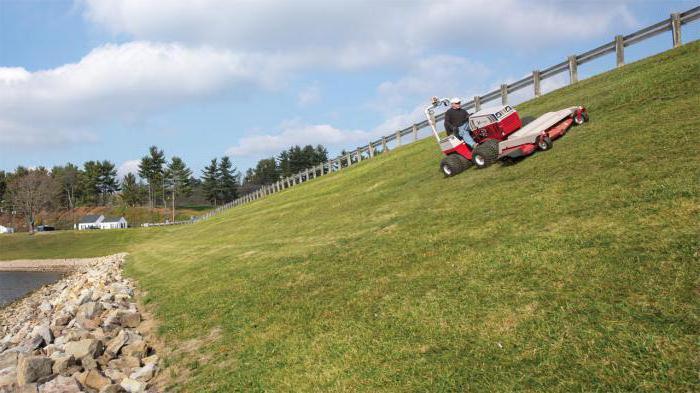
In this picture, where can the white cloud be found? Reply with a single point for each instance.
(353, 34)
(309, 95)
(295, 132)
(126, 167)
(444, 75)
(118, 83)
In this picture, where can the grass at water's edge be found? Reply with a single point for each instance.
(575, 269)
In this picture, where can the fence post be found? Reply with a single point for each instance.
(306, 174)
(349, 159)
(398, 138)
(504, 94)
(620, 50)
(573, 70)
(359, 154)
(415, 132)
(536, 82)
(477, 103)
(676, 29)
(384, 144)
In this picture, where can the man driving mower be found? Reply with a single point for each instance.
(457, 122)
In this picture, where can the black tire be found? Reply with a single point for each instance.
(485, 153)
(544, 143)
(453, 164)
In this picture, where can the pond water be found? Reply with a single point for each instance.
(14, 285)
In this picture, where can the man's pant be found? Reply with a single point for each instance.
(466, 135)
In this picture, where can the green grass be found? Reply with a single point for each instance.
(573, 270)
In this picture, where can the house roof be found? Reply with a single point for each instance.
(89, 219)
(112, 219)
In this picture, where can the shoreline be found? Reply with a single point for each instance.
(84, 333)
(45, 265)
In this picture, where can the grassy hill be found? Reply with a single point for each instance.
(575, 269)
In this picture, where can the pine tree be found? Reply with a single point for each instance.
(132, 192)
(228, 180)
(90, 182)
(178, 180)
(108, 183)
(152, 168)
(210, 182)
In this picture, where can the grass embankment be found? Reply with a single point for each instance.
(575, 269)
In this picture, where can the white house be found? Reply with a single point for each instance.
(101, 222)
(4, 229)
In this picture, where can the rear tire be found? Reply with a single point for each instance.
(544, 143)
(454, 164)
(485, 153)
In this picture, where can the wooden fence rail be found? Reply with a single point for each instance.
(570, 65)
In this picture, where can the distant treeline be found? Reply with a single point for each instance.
(160, 183)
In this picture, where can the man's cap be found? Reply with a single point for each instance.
(455, 100)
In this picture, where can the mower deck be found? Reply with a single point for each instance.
(529, 133)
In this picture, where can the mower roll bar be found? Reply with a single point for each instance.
(430, 114)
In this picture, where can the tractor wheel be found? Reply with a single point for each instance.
(453, 164)
(581, 118)
(544, 143)
(485, 153)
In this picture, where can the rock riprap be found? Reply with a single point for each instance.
(77, 335)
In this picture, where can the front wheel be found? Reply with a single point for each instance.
(485, 153)
(453, 164)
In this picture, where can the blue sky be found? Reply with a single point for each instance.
(105, 79)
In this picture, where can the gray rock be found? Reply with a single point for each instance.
(32, 368)
(45, 306)
(8, 359)
(144, 373)
(8, 377)
(90, 310)
(125, 363)
(28, 388)
(88, 362)
(129, 319)
(62, 319)
(44, 332)
(137, 349)
(60, 384)
(85, 347)
(117, 343)
(133, 386)
(95, 380)
(33, 343)
(112, 388)
(62, 365)
(85, 296)
(153, 359)
(114, 374)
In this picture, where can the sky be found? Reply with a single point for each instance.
(105, 79)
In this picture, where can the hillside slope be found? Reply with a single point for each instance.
(574, 269)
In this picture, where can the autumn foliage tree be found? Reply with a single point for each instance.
(30, 192)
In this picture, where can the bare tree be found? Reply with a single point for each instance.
(30, 192)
